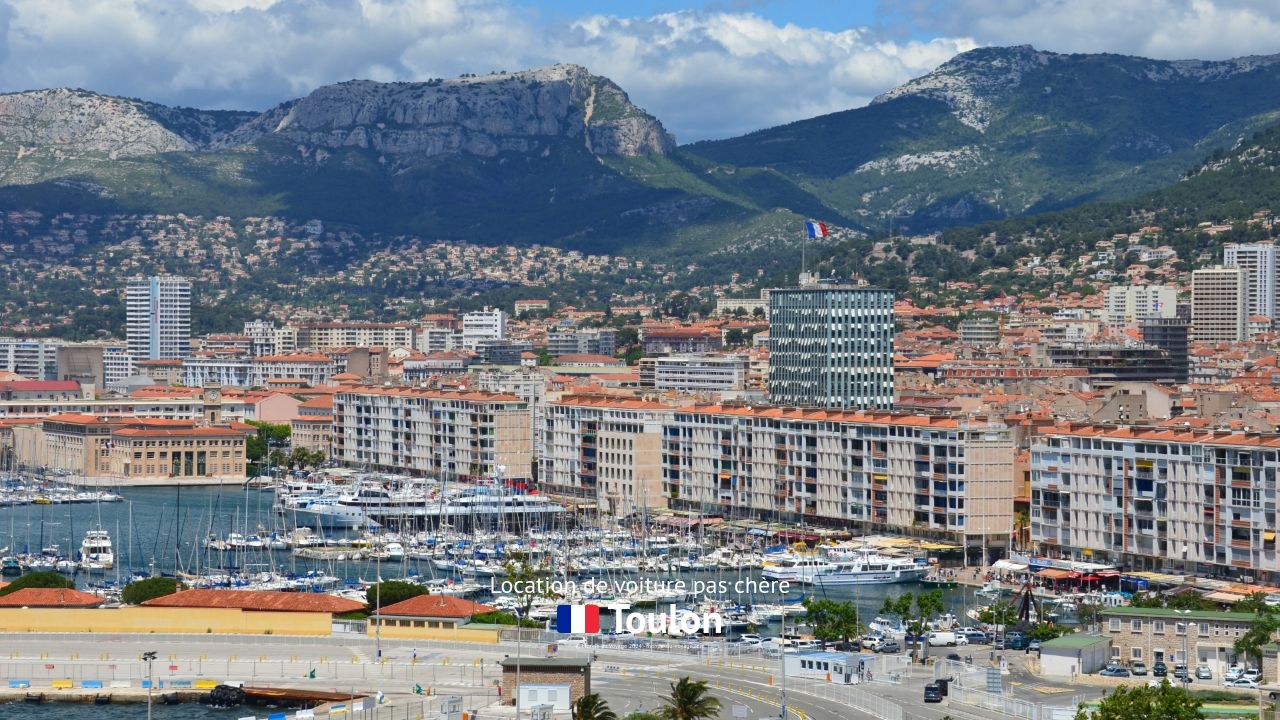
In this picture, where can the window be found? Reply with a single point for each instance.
(1114, 626)
(1135, 653)
(1135, 626)
(1158, 627)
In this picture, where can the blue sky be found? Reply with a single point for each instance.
(706, 69)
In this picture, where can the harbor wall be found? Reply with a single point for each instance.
(216, 621)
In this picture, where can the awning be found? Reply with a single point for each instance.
(1008, 565)
(1054, 574)
(1224, 597)
(1108, 574)
(1268, 535)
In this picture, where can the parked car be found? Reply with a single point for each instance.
(871, 641)
(1159, 669)
(1034, 646)
(750, 639)
(1114, 671)
(997, 644)
(1137, 667)
(1251, 674)
(1233, 672)
(932, 693)
(572, 640)
(1180, 671)
(976, 637)
(1241, 683)
(888, 646)
(1203, 672)
(946, 638)
(955, 656)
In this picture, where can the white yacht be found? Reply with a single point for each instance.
(95, 551)
(797, 569)
(868, 567)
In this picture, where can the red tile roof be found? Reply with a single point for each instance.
(436, 606)
(49, 597)
(40, 386)
(257, 600)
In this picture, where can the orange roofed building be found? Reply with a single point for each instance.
(49, 598)
(258, 600)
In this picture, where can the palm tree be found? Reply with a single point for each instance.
(689, 700)
(592, 707)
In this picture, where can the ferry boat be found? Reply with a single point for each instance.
(795, 569)
(867, 568)
(95, 551)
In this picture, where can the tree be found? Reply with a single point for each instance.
(1141, 702)
(273, 433)
(735, 337)
(38, 580)
(592, 707)
(527, 577)
(689, 700)
(140, 591)
(831, 619)
(641, 715)
(1002, 614)
(390, 592)
(1260, 633)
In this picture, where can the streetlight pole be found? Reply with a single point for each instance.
(150, 658)
(377, 603)
(519, 634)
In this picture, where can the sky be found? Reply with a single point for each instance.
(707, 69)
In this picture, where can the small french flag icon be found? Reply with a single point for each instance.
(578, 618)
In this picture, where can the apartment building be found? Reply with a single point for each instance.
(707, 372)
(1260, 262)
(1219, 304)
(1128, 304)
(97, 364)
(591, 341)
(319, 335)
(980, 331)
(312, 427)
(33, 359)
(605, 450)
(486, 324)
(159, 318)
(1178, 500)
(675, 340)
(458, 435)
(312, 369)
(880, 471)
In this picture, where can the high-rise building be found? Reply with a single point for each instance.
(32, 358)
(486, 324)
(159, 318)
(1171, 335)
(1218, 304)
(1259, 261)
(1126, 304)
(831, 346)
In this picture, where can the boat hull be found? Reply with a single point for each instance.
(838, 579)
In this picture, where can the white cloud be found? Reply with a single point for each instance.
(704, 74)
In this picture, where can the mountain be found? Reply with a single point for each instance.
(560, 156)
(1005, 131)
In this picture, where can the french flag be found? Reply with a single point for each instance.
(816, 229)
(578, 618)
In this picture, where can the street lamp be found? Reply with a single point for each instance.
(1186, 659)
(150, 658)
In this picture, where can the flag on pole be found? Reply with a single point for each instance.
(816, 229)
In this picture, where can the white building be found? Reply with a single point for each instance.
(707, 372)
(34, 359)
(1131, 304)
(1259, 261)
(438, 339)
(159, 318)
(487, 324)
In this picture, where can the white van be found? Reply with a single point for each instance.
(946, 638)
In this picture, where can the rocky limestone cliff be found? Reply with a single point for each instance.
(83, 122)
(479, 115)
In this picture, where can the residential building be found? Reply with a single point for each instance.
(96, 364)
(1260, 262)
(438, 339)
(980, 331)
(502, 352)
(1219, 304)
(458, 435)
(743, 306)
(872, 470)
(33, 359)
(159, 318)
(41, 390)
(592, 341)
(1129, 304)
(831, 346)
(312, 427)
(1159, 498)
(675, 340)
(522, 307)
(707, 372)
(320, 335)
(313, 369)
(605, 450)
(264, 338)
(486, 324)
(528, 385)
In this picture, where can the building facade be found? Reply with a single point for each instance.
(159, 318)
(474, 436)
(880, 471)
(354, 334)
(582, 342)
(605, 450)
(695, 373)
(1165, 635)
(831, 346)
(1259, 261)
(1219, 304)
(486, 324)
(1177, 500)
(33, 359)
(1128, 304)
